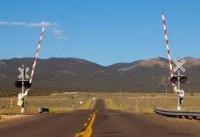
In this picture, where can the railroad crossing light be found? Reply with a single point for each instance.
(174, 79)
(18, 84)
(183, 79)
(27, 84)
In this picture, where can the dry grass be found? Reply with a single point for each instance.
(56, 103)
(8, 118)
(145, 103)
(129, 102)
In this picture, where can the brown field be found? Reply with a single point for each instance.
(129, 102)
(56, 103)
(138, 102)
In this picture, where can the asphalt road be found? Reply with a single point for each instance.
(108, 123)
(47, 125)
(111, 123)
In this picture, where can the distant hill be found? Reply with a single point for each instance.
(59, 74)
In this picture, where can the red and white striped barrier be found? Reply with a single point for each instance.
(167, 45)
(36, 55)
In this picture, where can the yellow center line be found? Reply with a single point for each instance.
(88, 130)
(85, 124)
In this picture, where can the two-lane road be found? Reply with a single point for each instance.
(111, 123)
(108, 123)
(47, 125)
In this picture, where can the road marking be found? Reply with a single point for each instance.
(87, 132)
(85, 124)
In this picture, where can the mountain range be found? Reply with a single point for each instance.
(71, 74)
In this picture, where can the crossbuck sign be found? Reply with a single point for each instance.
(21, 71)
(179, 65)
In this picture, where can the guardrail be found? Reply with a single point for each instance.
(178, 114)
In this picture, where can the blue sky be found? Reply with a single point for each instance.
(103, 31)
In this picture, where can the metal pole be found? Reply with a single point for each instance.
(179, 105)
(23, 75)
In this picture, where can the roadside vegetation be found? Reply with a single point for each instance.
(128, 102)
(146, 102)
(58, 102)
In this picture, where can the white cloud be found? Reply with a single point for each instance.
(3, 23)
(40, 24)
(59, 34)
(18, 23)
(28, 24)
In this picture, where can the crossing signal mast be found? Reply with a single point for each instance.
(24, 80)
(175, 79)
